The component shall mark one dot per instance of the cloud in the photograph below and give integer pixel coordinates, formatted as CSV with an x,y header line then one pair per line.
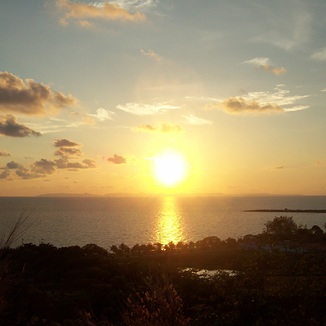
x,y
4,174
280,97
9,127
319,55
44,167
117,159
27,174
89,163
81,13
261,102
3,154
135,4
68,151
323,90
151,54
38,169
239,105
193,120
102,114
13,165
64,143
265,64
64,163
29,97
146,109
163,128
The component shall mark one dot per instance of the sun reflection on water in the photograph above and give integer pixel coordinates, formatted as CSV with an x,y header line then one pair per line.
x,y
169,223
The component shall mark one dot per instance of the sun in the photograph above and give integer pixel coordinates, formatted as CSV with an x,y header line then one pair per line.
x,y
170,168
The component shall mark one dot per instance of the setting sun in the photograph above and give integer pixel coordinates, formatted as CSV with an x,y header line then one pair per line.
x,y
170,168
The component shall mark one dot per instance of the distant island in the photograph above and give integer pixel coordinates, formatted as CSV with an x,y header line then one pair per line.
x,y
67,195
286,210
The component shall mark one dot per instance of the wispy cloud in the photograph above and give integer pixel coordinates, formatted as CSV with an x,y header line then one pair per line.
x,y
164,128
135,4
9,127
193,120
103,114
146,109
280,96
117,159
29,97
151,54
265,64
81,13
319,55
262,102
285,26
323,90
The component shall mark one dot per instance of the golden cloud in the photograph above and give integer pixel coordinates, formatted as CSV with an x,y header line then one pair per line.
x,y
80,12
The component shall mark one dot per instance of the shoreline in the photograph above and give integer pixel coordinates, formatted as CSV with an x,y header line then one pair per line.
x,y
286,210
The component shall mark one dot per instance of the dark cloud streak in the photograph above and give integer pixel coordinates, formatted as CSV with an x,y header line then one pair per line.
x,y
64,143
9,127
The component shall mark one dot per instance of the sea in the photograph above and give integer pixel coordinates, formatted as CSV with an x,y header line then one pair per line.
x,y
107,221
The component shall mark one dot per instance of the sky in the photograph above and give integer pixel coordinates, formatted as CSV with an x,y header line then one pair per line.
x,y
92,92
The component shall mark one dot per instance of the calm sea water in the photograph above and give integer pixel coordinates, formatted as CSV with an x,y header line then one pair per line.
x,y
108,221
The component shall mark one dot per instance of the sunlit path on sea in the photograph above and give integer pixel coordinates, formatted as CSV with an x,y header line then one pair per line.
x,y
143,220
169,225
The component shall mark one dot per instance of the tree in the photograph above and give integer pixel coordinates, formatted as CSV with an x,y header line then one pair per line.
x,y
316,230
282,227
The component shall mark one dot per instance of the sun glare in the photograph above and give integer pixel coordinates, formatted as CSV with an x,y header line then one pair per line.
x,y
170,168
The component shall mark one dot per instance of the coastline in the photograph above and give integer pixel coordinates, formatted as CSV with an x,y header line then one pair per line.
x,y
286,210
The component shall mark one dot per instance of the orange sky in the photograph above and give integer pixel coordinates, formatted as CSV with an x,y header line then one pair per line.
x,y
92,92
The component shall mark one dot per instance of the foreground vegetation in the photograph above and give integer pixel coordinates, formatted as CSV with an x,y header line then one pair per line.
x,y
274,278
